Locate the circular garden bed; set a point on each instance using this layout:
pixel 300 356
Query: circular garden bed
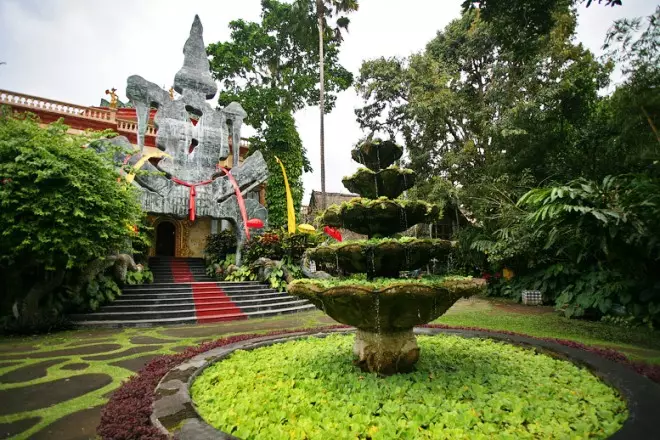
pixel 309 388
pixel 468 384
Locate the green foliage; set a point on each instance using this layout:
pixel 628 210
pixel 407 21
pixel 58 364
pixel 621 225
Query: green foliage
pixel 312 390
pixel 279 245
pixel 61 207
pixel 144 276
pixel 242 273
pixel 498 116
pixel 608 233
pixel 280 139
pixel 101 290
pixel 220 245
pixel 277 278
pixel 380 283
pixel 61 204
pixel 271 68
pixel 218 268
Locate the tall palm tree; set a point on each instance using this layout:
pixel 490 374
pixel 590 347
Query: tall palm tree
pixel 326 10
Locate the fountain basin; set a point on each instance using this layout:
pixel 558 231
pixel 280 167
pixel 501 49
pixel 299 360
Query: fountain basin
pixel 379 217
pixel 386 306
pixel 383 257
pixel 390 182
pixel 376 154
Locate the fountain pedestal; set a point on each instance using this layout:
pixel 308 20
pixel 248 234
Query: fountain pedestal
pixel 386 353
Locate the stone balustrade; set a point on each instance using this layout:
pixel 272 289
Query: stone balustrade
pixel 53 106
pixel 132 126
pixel 29 102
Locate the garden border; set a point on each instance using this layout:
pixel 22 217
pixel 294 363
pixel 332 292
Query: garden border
pixel 158 398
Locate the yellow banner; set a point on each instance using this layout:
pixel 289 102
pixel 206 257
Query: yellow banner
pixel 142 161
pixel 291 214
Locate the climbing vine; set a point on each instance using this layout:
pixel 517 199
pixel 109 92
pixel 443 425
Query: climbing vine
pixel 281 139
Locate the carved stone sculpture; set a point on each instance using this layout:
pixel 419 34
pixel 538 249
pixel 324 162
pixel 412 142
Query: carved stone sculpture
pixel 194 138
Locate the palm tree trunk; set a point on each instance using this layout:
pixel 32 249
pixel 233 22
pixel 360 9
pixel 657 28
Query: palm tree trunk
pixel 319 14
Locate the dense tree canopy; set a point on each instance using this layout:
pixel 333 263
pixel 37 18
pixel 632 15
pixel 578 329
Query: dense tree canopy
pixel 485 120
pixel 271 68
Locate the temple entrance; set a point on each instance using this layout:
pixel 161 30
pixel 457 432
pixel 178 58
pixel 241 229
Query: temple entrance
pixel 165 239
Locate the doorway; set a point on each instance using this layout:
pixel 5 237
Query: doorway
pixel 165 239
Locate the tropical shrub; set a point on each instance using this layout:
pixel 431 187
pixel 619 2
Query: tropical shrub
pixel 62 209
pixel 279 245
pixel 219 245
pixel 144 276
pixel 608 232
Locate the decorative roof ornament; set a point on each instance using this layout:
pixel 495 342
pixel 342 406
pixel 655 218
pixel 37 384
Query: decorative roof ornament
pixel 113 97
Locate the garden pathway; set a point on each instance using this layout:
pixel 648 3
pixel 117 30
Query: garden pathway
pixel 54 387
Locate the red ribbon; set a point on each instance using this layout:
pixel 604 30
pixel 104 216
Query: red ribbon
pixel 193 193
pixel 239 198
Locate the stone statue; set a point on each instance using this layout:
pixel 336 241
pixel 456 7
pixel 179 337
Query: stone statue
pixel 186 181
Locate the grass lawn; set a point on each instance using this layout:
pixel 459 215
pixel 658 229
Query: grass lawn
pixel 497 314
pixel 38 381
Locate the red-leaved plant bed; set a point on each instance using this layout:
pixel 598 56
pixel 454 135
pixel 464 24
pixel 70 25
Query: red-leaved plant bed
pixel 127 414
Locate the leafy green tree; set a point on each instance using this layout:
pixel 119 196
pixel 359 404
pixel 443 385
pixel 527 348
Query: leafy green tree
pixel 325 10
pixel 467 108
pixel 61 208
pixel 271 68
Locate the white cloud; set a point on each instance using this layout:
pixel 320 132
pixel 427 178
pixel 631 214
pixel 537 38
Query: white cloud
pixel 73 50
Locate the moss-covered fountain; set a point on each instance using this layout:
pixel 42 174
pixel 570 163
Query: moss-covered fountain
pixel 384 308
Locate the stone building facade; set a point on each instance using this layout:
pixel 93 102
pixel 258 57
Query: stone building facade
pixel 173 236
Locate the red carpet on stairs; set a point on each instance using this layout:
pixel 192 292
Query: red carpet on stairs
pixel 213 305
pixel 181 271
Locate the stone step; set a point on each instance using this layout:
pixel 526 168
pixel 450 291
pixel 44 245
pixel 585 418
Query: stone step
pixel 189 285
pixel 168 299
pixel 227 290
pixel 182 312
pixel 197 304
pixel 190 320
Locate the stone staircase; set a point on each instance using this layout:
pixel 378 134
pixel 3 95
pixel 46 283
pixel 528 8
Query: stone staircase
pixel 182 293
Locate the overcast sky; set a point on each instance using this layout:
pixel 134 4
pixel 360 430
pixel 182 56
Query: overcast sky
pixel 73 50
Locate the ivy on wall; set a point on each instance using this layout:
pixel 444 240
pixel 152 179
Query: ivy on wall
pixel 281 139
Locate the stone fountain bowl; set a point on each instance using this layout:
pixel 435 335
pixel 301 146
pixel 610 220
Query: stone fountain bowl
pixel 390 182
pixel 394 307
pixel 386 257
pixel 379 217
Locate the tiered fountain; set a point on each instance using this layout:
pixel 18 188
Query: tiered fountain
pixel 384 308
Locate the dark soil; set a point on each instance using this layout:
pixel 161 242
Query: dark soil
pixel 91 349
pixel 123 353
pixel 29 372
pixel 43 395
pixel 135 364
pixel 80 425
pixel 8 430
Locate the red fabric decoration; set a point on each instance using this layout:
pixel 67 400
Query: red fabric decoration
pixel 193 194
pixel 239 197
pixel 332 232
pixel 255 223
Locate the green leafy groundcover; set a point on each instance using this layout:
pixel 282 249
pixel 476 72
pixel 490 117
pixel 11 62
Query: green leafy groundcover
pixel 463 388
pixel 379 283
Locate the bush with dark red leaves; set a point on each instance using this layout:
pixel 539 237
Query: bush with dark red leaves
pixel 127 414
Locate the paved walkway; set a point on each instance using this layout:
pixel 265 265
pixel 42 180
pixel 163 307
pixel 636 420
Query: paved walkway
pixel 54 387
